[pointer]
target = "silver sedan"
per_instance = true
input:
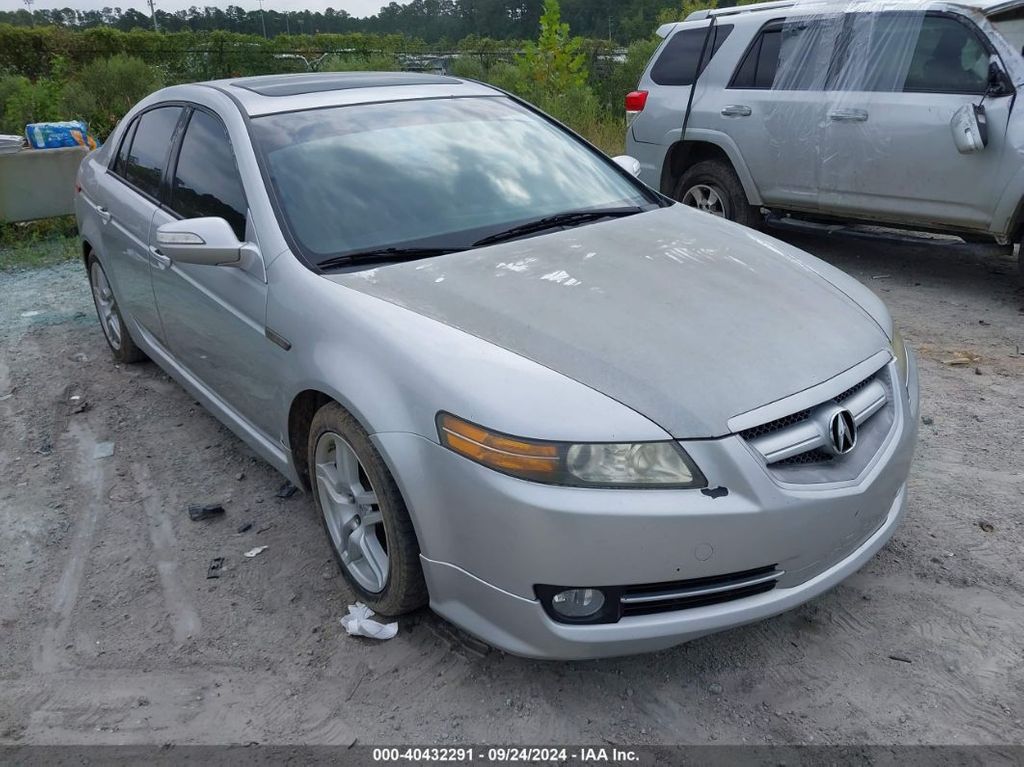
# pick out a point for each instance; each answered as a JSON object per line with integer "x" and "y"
{"x": 575, "y": 418}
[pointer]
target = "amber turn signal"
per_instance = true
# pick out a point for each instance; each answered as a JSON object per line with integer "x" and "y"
{"x": 535, "y": 460}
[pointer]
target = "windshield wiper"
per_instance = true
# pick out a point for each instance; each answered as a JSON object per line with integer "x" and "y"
{"x": 569, "y": 218}
{"x": 384, "y": 255}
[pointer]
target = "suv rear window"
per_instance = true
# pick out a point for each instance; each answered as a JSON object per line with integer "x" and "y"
{"x": 677, "y": 64}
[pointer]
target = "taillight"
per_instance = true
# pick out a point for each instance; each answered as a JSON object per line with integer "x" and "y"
{"x": 635, "y": 102}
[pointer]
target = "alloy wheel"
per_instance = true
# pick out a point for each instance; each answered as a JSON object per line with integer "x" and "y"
{"x": 707, "y": 198}
{"x": 352, "y": 512}
{"x": 106, "y": 306}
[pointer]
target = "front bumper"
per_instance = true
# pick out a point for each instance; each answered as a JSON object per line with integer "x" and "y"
{"x": 487, "y": 539}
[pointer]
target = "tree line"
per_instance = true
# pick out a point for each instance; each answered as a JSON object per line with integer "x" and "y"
{"x": 433, "y": 21}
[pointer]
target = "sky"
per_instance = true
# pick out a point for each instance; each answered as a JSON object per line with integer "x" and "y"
{"x": 354, "y": 7}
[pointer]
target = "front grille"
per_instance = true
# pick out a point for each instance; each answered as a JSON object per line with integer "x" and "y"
{"x": 853, "y": 390}
{"x": 697, "y": 592}
{"x": 776, "y": 425}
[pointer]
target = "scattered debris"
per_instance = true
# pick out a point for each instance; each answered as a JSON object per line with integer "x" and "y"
{"x": 46, "y": 448}
{"x": 900, "y": 658}
{"x": 103, "y": 450}
{"x": 961, "y": 358}
{"x": 715, "y": 688}
{"x": 986, "y": 526}
{"x": 359, "y": 622}
{"x": 986, "y": 323}
{"x": 255, "y": 552}
{"x": 79, "y": 357}
{"x": 264, "y": 529}
{"x": 31, "y": 313}
{"x": 216, "y": 568}
{"x": 8, "y": 395}
{"x": 240, "y": 476}
{"x": 927, "y": 420}
{"x": 244, "y": 527}
{"x": 198, "y": 512}
{"x": 78, "y": 403}
{"x": 287, "y": 490}
{"x": 880, "y": 276}
{"x": 977, "y": 372}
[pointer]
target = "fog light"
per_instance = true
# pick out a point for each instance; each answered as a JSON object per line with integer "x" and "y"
{"x": 577, "y": 603}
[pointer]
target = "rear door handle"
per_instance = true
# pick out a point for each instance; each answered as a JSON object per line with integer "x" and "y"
{"x": 736, "y": 110}
{"x": 160, "y": 261}
{"x": 103, "y": 213}
{"x": 849, "y": 115}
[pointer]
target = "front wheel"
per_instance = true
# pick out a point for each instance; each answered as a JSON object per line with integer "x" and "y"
{"x": 713, "y": 187}
{"x": 364, "y": 515}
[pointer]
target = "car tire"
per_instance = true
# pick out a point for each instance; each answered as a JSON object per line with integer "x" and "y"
{"x": 115, "y": 331}
{"x": 713, "y": 186}
{"x": 363, "y": 513}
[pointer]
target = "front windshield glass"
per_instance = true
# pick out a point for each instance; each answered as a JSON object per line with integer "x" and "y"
{"x": 438, "y": 173}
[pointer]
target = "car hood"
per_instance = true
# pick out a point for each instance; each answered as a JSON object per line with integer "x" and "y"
{"x": 687, "y": 319}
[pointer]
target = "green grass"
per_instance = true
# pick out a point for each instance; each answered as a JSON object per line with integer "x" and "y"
{"x": 38, "y": 243}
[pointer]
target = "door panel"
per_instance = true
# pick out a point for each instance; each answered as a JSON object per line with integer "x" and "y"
{"x": 214, "y": 317}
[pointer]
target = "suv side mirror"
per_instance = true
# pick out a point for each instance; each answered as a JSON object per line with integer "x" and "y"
{"x": 629, "y": 164}
{"x": 206, "y": 241}
{"x": 970, "y": 128}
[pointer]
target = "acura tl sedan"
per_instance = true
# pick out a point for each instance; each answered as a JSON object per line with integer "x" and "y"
{"x": 574, "y": 417}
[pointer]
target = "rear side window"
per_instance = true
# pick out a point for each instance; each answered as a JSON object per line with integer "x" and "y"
{"x": 121, "y": 161}
{"x": 792, "y": 56}
{"x": 206, "y": 180}
{"x": 150, "y": 147}
{"x": 677, "y": 64}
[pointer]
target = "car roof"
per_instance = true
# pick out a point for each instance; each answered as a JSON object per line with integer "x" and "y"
{"x": 802, "y": 7}
{"x": 269, "y": 94}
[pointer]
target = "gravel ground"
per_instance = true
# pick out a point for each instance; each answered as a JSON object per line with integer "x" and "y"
{"x": 113, "y": 634}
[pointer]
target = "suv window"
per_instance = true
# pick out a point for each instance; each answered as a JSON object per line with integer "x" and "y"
{"x": 677, "y": 63}
{"x": 206, "y": 180}
{"x": 948, "y": 57}
{"x": 790, "y": 56}
{"x": 150, "y": 145}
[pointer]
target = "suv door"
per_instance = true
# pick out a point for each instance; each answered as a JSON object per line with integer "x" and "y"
{"x": 214, "y": 317}
{"x": 128, "y": 197}
{"x": 888, "y": 142}
{"x": 773, "y": 107}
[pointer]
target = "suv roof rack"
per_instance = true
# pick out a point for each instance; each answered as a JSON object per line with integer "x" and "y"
{"x": 738, "y": 9}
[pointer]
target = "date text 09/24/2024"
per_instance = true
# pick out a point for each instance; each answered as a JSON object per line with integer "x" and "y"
{"x": 500, "y": 754}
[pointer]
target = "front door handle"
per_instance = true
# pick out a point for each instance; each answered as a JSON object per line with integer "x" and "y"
{"x": 736, "y": 110}
{"x": 103, "y": 213}
{"x": 160, "y": 261}
{"x": 849, "y": 115}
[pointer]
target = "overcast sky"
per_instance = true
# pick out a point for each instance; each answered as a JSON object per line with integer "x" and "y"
{"x": 355, "y": 7}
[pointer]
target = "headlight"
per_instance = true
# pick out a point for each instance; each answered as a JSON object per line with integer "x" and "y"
{"x": 623, "y": 465}
{"x": 899, "y": 351}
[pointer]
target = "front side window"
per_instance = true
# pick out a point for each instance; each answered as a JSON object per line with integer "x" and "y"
{"x": 677, "y": 64}
{"x": 440, "y": 173}
{"x": 150, "y": 147}
{"x": 206, "y": 180}
{"x": 121, "y": 161}
{"x": 948, "y": 58}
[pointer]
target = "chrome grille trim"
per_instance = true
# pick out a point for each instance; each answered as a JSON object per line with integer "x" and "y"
{"x": 793, "y": 439}
{"x": 685, "y": 593}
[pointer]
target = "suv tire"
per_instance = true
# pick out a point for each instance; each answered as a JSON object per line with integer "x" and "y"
{"x": 713, "y": 186}
{"x": 364, "y": 515}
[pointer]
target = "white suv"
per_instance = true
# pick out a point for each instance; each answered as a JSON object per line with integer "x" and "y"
{"x": 894, "y": 113}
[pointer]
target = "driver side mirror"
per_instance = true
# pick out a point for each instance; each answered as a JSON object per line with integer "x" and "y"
{"x": 205, "y": 241}
{"x": 629, "y": 164}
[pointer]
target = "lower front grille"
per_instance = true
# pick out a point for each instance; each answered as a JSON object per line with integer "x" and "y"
{"x": 697, "y": 592}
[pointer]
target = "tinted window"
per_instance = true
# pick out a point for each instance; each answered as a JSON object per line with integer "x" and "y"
{"x": 428, "y": 173}
{"x": 948, "y": 58}
{"x": 206, "y": 181}
{"x": 678, "y": 60}
{"x": 126, "y": 143}
{"x": 793, "y": 56}
{"x": 150, "y": 146}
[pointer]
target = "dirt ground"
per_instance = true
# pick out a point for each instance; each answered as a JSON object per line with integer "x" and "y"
{"x": 111, "y": 632}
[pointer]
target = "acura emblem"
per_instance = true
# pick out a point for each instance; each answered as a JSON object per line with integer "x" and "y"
{"x": 842, "y": 430}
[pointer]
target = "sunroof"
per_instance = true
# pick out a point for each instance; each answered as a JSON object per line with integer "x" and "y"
{"x": 294, "y": 85}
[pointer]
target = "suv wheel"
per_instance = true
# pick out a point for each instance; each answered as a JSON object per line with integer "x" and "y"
{"x": 712, "y": 186}
{"x": 364, "y": 515}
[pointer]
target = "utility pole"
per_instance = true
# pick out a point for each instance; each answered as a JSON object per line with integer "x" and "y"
{"x": 31, "y": 17}
{"x": 152, "y": 12}
{"x": 263, "y": 21}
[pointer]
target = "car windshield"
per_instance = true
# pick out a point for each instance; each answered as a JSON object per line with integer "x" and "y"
{"x": 438, "y": 173}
